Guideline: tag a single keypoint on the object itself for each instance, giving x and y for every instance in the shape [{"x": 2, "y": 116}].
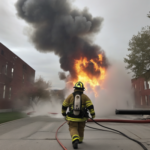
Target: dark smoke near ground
[
  {"x": 62, "y": 29},
  {"x": 62, "y": 75}
]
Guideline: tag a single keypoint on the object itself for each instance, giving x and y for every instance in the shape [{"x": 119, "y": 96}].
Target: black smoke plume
[
  {"x": 62, "y": 29},
  {"x": 62, "y": 75}
]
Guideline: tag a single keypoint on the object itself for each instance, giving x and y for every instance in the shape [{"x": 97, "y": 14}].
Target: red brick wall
[
  {"x": 140, "y": 92},
  {"x": 15, "y": 82}
]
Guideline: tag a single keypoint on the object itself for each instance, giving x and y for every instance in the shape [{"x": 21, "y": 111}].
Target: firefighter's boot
[{"x": 75, "y": 144}]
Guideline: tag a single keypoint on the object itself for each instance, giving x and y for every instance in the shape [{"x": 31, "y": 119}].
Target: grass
[{"x": 9, "y": 116}]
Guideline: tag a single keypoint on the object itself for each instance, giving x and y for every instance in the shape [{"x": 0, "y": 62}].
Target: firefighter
[{"x": 77, "y": 117}]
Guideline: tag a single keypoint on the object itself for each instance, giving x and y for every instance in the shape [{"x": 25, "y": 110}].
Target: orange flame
[{"x": 95, "y": 77}]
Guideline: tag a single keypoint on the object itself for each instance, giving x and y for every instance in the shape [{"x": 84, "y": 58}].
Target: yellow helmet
[{"x": 79, "y": 85}]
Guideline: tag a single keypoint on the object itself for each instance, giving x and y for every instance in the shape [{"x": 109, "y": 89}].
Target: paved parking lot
[{"x": 38, "y": 133}]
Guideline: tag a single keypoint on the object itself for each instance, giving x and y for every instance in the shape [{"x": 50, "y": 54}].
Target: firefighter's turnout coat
[
  {"x": 77, "y": 123},
  {"x": 86, "y": 103}
]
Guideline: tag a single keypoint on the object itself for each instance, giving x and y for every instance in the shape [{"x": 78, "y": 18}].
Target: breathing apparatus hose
[{"x": 118, "y": 132}]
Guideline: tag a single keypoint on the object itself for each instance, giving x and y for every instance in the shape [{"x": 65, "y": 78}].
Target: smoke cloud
[
  {"x": 62, "y": 76},
  {"x": 62, "y": 29},
  {"x": 117, "y": 92},
  {"x": 46, "y": 108}
]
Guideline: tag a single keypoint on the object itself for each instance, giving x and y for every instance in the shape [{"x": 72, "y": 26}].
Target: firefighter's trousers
[{"x": 76, "y": 130}]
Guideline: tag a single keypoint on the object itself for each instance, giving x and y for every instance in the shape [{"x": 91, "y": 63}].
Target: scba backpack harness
[
  {"x": 77, "y": 111},
  {"x": 77, "y": 104}
]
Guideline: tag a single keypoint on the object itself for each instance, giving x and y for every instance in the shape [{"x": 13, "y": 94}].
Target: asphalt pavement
[{"x": 38, "y": 133}]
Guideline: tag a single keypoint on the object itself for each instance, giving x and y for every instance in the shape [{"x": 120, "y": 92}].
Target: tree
[
  {"x": 138, "y": 60},
  {"x": 148, "y": 15},
  {"x": 39, "y": 91}
]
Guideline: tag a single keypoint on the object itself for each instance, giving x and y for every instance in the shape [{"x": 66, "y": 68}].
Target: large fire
[{"x": 90, "y": 72}]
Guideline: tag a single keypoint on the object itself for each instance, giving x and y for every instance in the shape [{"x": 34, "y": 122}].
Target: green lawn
[{"x": 9, "y": 116}]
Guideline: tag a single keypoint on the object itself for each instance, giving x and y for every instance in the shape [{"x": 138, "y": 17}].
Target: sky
[{"x": 122, "y": 20}]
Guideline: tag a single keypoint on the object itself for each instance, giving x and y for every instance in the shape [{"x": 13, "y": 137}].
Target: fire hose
[
  {"x": 113, "y": 130},
  {"x": 121, "y": 134},
  {"x": 57, "y": 138}
]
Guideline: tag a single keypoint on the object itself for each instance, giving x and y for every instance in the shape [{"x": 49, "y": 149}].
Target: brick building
[
  {"x": 141, "y": 92},
  {"x": 14, "y": 75}
]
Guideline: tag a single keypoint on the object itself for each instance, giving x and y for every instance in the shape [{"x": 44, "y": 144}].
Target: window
[
  {"x": 10, "y": 93},
  {"x": 4, "y": 91},
  {"x": 148, "y": 84},
  {"x": 24, "y": 67},
  {"x": 141, "y": 101},
  {"x": 15, "y": 57},
  {"x": 6, "y": 69},
  {"x": 145, "y": 85},
  {"x": 12, "y": 72},
  {"x": 23, "y": 78},
  {"x": 2, "y": 52},
  {"x": 146, "y": 99}
]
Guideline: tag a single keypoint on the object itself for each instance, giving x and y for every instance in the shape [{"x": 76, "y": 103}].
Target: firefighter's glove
[
  {"x": 64, "y": 114},
  {"x": 93, "y": 116}
]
